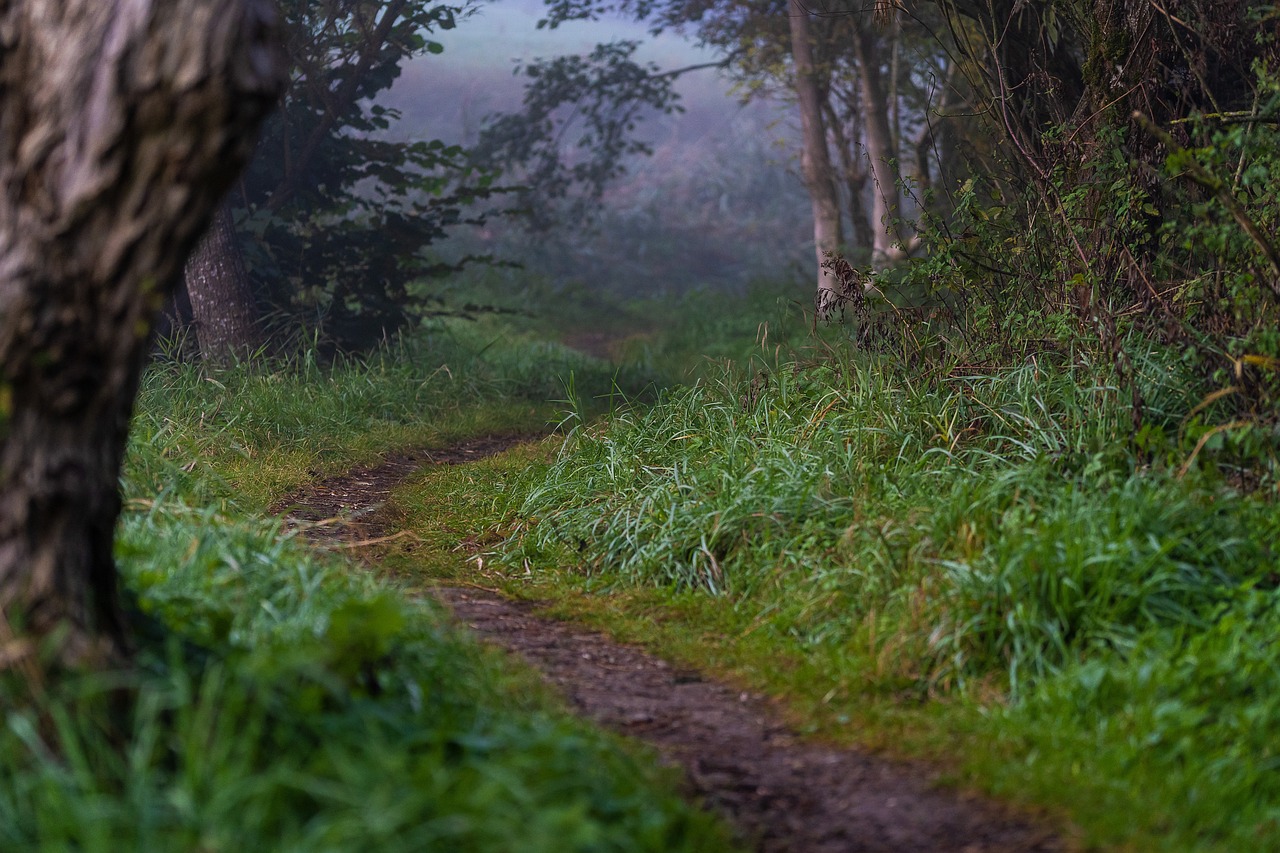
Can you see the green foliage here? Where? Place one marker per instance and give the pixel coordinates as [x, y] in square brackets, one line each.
[1176, 249]
[1227, 284]
[597, 100]
[1192, 717]
[285, 700]
[341, 216]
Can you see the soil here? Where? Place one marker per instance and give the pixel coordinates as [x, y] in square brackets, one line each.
[782, 792]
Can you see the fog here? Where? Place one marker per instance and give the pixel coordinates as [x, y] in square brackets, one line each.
[445, 96]
[717, 205]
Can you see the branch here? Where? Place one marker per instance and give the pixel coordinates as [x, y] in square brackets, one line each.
[676, 72]
[1222, 192]
[342, 101]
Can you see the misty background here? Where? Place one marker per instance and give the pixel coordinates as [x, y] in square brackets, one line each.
[718, 204]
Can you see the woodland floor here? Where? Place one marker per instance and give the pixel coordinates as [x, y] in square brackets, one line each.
[783, 793]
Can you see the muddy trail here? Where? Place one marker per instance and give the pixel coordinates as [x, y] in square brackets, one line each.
[781, 792]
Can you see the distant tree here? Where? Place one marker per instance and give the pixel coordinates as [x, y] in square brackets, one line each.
[223, 306]
[851, 78]
[334, 219]
[121, 125]
[820, 177]
[721, 214]
[870, 83]
[597, 101]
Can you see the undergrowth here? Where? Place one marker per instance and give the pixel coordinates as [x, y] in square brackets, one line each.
[256, 430]
[284, 700]
[985, 539]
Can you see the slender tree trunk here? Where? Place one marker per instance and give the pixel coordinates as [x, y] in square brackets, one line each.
[121, 124]
[895, 79]
[815, 161]
[222, 303]
[174, 336]
[886, 191]
[855, 177]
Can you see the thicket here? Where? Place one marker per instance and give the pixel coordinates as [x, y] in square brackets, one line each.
[1133, 200]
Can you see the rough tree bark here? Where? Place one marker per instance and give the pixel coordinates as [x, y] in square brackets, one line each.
[222, 304]
[815, 160]
[122, 122]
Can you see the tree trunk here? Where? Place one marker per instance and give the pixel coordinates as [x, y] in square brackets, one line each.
[815, 161]
[174, 335]
[855, 178]
[222, 303]
[886, 189]
[122, 122]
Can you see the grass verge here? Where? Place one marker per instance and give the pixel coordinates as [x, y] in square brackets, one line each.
[287, 701]
[968, 567]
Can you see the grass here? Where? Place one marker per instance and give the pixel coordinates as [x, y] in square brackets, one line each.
[981, 567]
[293, 704]
[285, 700]
[975, 568]
[257, 431]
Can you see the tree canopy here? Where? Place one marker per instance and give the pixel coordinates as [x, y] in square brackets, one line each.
[339, 213]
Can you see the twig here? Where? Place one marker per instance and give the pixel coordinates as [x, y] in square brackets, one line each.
[378, 541]
[479, 587]
[1238, 117]
[1186, 466]
[1219, 188]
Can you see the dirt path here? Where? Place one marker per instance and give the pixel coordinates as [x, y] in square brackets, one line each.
[784, 794]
